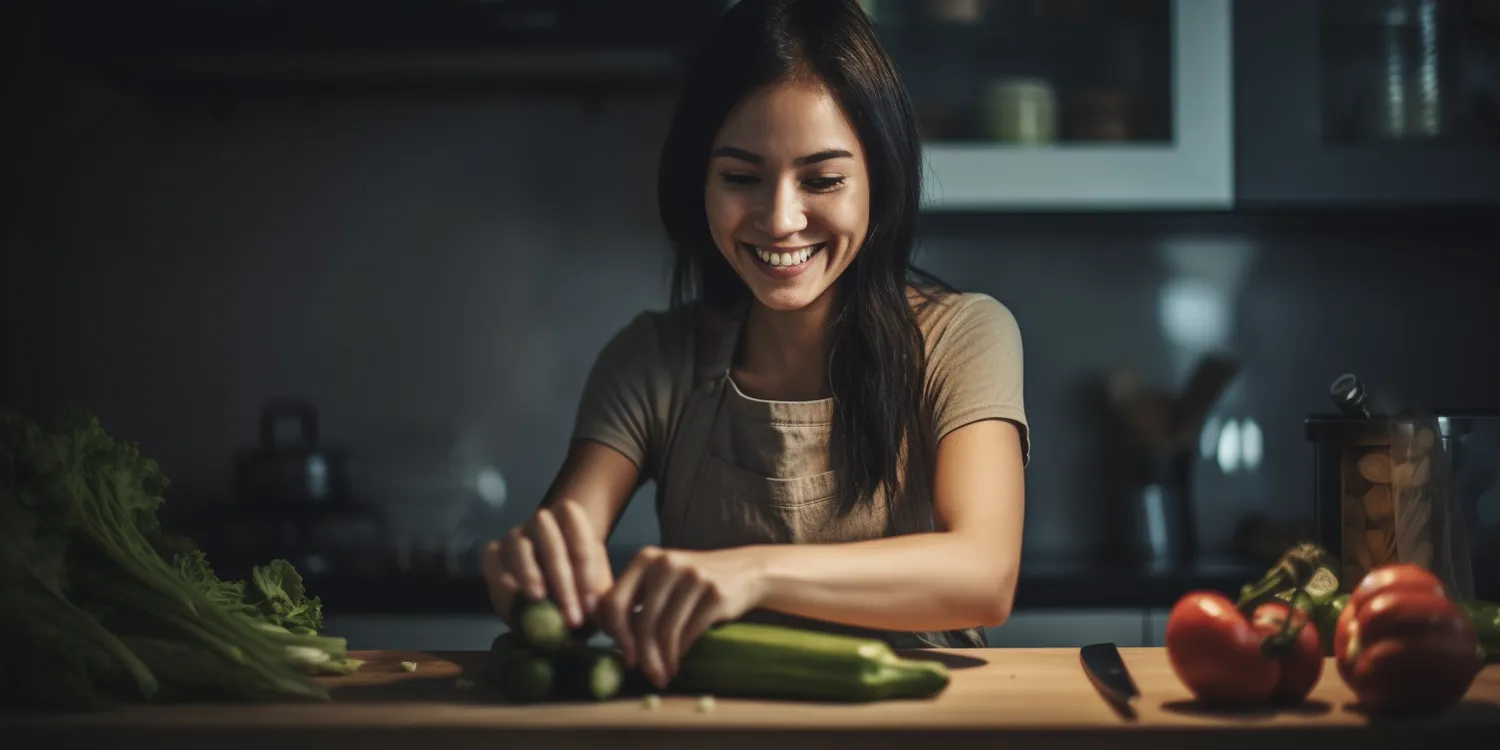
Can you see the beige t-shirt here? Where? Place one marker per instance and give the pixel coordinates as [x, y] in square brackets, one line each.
[635, 392]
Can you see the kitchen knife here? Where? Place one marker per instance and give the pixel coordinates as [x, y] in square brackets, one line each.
[1105, 668]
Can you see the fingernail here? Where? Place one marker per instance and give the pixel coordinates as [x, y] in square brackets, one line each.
[575, 617]
[589, 602]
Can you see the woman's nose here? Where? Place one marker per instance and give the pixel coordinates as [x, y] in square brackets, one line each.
[783, 213]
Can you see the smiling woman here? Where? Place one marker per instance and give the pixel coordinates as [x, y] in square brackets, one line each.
[838, 440]
[788, 205]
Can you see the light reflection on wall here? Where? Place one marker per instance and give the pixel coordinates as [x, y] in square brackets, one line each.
[1196, 308]
[1197, 301]
[1235, 444]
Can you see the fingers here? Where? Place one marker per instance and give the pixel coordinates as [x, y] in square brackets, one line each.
[586, 555]
[502, 585]
[706, 612]
[518, 557]
[682, 601]
[553, 555]
[615, 608]
[655, 587]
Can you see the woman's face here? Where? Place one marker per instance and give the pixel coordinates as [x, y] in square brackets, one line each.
[788, 195]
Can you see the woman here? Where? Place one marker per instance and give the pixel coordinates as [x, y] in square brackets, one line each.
[838, 441]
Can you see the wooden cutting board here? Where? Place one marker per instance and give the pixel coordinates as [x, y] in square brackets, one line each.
[998, 698]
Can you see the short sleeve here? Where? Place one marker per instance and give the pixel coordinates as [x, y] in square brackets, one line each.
[623, 393]
[975, 369]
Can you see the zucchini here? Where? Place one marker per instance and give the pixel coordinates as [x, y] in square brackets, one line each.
[527, 678]
[539, 624]
[770, 661]
[586, 673]
[1485, 616]
[516, 673]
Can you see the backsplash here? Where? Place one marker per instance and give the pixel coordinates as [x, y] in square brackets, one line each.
[436, 275]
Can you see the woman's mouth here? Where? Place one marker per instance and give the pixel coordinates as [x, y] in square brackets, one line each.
[782, 262]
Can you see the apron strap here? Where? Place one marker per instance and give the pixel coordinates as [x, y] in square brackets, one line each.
[716, 335]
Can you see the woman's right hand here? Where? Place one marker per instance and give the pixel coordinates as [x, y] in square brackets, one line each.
[556, 554]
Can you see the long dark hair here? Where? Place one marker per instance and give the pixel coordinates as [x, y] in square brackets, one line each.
[878, 359]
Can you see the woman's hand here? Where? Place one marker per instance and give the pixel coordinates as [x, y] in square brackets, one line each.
[557, 554]
[665, 599]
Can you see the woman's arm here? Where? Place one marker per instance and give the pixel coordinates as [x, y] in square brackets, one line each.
[599, 479]
[560, 550]
[962, 576]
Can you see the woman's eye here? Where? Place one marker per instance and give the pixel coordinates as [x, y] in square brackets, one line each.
[739, 179]
[822, 184]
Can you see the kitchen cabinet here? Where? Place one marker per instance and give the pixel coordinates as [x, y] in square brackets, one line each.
[1068, 104]
[1156, 626]
[1367, 102]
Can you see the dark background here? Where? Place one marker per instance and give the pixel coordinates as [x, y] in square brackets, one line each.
[435, 270]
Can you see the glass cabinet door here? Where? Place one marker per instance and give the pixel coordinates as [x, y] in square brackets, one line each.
[1350, 102]
[1068, 104]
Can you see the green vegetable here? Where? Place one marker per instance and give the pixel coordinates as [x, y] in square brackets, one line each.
[278, 604]
[1305, 566]
[589, 673]
[524, 678]
[756, 660]
[539, 624]
[1326, 616]
[1486, 619]
[571, 671]
[92, 614]
[1305, 578]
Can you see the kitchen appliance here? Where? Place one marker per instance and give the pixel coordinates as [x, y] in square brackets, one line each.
[294, 498]
[289, 465]
[1107, 671]
[1149, 510]
[1394, 483]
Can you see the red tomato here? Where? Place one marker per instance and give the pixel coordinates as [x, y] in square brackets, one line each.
[1395, 577]
[1302, 666]
[1402, 646]
[1216, 652]
[1341, 633]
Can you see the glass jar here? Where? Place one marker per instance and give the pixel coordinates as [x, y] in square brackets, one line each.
[1388, 70]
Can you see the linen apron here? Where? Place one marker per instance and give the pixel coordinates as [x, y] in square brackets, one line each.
[745, 471]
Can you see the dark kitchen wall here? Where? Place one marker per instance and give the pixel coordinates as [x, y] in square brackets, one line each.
[436, 274]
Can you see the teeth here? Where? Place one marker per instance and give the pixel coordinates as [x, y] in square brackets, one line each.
[792, 258]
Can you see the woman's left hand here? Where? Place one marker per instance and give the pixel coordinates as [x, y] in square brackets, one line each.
[678, 595]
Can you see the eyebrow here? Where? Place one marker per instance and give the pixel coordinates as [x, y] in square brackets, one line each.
[801, 161]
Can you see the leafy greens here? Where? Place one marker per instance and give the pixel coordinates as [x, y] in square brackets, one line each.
[91, 614]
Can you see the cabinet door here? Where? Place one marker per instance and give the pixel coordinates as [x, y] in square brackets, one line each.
[1373, 102]
[1068, 104]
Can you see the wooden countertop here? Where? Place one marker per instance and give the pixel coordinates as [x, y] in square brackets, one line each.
[1011, 698]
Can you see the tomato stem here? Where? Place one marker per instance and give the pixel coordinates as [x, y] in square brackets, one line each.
[1292, 571]
[1299, 614]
